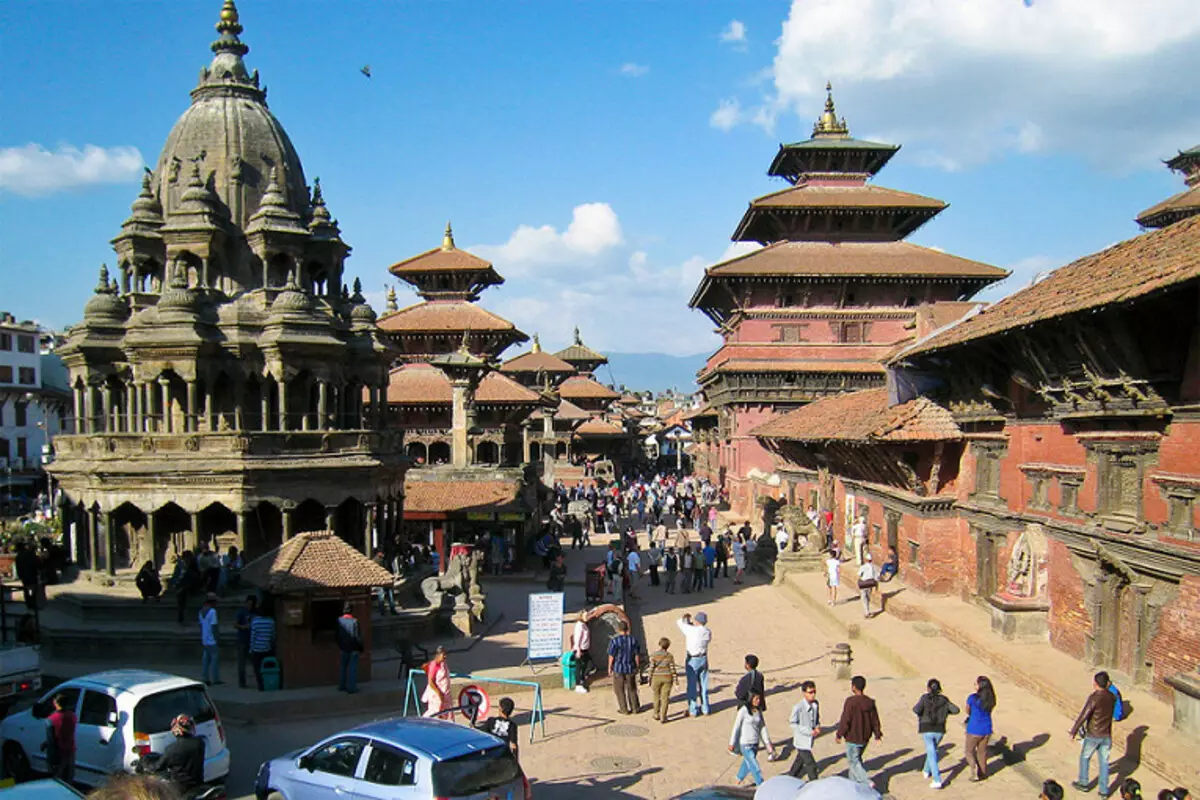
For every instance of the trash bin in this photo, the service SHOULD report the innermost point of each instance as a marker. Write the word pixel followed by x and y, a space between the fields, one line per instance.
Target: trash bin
pixel 568 669
pixel 272 675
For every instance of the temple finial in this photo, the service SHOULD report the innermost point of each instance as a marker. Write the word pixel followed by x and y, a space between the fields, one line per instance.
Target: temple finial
pixel 578 340
pixel 102 284
pixel 537 345
pixel 829 125
pixel 229 19
pixel 392 305
pixel 448 238
pixel 465 346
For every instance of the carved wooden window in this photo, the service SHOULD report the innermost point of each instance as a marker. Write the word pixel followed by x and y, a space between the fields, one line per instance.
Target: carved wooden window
pixel 987 471
pixel 1179 510
pixel 1068 502
pixel 790 333
pixel 1120 486
pixel 1039 495
pixel 852 332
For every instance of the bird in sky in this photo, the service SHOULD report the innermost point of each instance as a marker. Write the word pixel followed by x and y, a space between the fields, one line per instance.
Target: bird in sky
pixel 366 71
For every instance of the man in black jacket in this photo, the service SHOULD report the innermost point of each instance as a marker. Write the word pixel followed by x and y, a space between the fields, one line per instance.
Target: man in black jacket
pixel 752 682
pixel 349 641
pixel 183 762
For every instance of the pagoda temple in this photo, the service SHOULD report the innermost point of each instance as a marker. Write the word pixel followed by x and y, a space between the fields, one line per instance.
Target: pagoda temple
pixel 1182 205
pixel 814 311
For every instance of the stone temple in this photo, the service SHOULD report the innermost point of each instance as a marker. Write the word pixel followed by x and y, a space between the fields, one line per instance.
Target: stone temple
pixel 226 381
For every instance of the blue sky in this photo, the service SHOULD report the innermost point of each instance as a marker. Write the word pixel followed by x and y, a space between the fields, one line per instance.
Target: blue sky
pixel 601 154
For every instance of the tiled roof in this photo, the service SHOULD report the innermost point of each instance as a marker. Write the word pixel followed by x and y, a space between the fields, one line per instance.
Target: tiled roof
pixel 439 316
pixel 537 361
pixel 581 386
pixel 423 384
pixel 859 196
pixel 1127 271
pixel 568 411
pixel 705 410
pixel 445 496
pixel 798 365
pixel 1183 204
pixel 581 352
pixel 629 399
pixel 599 427
pixel 863 416
pixel 439 260
pixel 815 259
pixel 315 560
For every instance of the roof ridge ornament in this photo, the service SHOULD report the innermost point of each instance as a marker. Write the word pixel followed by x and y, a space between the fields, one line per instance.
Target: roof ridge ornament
pixel 578 339
pixel 448 238
pixel 829 125
pixel 102 284
pixel 537 345
pixel 392 305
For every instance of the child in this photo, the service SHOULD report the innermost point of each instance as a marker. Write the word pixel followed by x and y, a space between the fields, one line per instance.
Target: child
pixel 502 726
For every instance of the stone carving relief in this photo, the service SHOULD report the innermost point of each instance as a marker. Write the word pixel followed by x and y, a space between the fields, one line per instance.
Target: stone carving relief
pixel 1027 566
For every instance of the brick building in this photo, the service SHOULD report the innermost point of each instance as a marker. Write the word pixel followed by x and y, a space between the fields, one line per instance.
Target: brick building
pixel 815 311
pixel 1039 457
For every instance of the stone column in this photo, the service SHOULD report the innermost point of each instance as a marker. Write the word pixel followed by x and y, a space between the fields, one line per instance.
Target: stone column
pixel 322 405
pixel 370 535
pixel 193 538
pixel 460 450
pixel 331 518
pixel 106 405
pixel 243 525
pixel 164 394
pixel 209 419
pixel 89 404
pixel 152 533
pixel 283 415
pixel 130 407
pixel 104 543
pixel 266 408
pixel 77 410
pixel 289 522
pixel 189 416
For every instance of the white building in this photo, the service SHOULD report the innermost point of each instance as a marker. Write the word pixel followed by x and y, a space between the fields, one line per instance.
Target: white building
pixel 33 391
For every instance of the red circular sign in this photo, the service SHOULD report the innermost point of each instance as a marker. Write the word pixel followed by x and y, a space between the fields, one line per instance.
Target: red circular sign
pixel 473 697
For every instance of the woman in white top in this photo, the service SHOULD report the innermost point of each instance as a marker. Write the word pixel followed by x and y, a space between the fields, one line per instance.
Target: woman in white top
pixel 749 729
pixel 867 581
pixel 739 558
pixel 832 576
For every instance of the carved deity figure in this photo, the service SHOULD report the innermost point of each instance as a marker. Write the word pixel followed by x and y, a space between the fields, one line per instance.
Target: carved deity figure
pixel 1021 575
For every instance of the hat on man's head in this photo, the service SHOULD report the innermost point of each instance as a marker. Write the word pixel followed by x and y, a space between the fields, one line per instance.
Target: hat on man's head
pixel 702 618
pixel 212 597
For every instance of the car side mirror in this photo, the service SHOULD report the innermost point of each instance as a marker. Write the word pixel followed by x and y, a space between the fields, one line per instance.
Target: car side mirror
pixel 305 762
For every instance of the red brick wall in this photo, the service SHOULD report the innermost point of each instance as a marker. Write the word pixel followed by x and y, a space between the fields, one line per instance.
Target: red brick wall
pixel 1176 647
pixel 1070 620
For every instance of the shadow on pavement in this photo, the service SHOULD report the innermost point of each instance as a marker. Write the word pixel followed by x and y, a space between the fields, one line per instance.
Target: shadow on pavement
pixel 593 786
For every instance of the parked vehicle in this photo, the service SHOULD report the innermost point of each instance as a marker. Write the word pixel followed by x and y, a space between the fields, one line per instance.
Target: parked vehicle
pixel 148 765
pixel 405 758
pixel 122 715
pixel 47 789
pixel 20 672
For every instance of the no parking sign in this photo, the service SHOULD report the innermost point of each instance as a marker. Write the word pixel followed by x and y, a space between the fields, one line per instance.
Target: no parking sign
pixel 474 703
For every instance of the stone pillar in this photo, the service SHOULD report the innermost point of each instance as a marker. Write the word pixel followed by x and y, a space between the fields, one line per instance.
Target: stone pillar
pixel 189 415
pixel 289 522
pixel 266 409
pixel 104 543
pixel 193 538
pixel 164 394
pixel 209 420
pixel 89 405
pixel 283 415
pixel 152 533
pixel 130 404
pixel 460 450
pixel 139 410
pixel 243 525
pixel 370 535
pixel 322 405
pixel 77 410
pixel 331 518
pixel 107 405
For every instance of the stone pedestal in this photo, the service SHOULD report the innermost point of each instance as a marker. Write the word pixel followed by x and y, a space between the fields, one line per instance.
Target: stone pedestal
pixel 462 618
pixel 799 561
pixel 1187 703
pixel 1022 619
pixel 842 658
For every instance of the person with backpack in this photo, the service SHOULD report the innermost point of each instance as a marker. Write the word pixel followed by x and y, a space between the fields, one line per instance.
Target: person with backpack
pixel 932 710
pixel 349 642
pixel 1094 723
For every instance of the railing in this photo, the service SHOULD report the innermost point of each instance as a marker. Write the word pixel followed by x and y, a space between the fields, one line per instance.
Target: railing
pixel 126 445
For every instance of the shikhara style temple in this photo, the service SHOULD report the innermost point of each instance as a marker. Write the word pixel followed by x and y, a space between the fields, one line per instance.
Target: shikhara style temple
pixel 815 311
pixel 1039 457
pixel 226 381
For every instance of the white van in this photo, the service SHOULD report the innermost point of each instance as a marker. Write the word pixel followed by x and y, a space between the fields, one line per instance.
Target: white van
pixel 117 711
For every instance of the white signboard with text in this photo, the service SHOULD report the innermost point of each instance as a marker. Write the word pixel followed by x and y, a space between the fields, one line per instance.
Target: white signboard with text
pixel 545 626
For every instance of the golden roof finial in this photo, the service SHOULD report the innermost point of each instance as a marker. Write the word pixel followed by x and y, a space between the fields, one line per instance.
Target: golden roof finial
pixel 537 346
pixel 448 238
pixel 829 125
pixel 229 19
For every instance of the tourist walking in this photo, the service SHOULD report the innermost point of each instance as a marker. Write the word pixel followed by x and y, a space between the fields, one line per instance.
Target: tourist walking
pixel 262 642
pixel 722 546
pixel 685 569
pixel 739 558
pixel 696 638
pixel 349 642
pixel 699 569
pixel 581 646
pixel 663 675
pixel 833 576
pixel 210 668
pixel 980 705
pixel 653 559
pixel 241 624
pixel 932 710
pixel 437 685
pixel 805 720
pixel 1094 723
pixel 60 739
pixel 866 584
pixel 633 565
pixel 859 722
pixel 751 682
pixel 671 566
pixel 624 661
pixel 710 563
pixel 749 730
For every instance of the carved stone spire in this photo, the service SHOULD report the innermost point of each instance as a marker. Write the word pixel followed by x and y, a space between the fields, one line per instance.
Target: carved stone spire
pixel 392 305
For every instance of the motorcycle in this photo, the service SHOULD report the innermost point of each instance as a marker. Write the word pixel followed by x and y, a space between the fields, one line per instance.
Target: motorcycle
pixel 148 765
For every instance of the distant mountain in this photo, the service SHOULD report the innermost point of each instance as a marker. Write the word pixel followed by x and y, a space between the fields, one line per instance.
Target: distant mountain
pixel 655 372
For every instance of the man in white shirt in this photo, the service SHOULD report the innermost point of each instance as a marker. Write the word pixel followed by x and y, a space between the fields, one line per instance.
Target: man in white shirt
pixel 696 637
pixel 633 562
pixel 210 670
pixel 581 645
pixel 783 539
pixel 859 532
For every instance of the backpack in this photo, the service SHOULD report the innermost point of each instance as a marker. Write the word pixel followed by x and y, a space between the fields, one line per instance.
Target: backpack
pixel 1118 704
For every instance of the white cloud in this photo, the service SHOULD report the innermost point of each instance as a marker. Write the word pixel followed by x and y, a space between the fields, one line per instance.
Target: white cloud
pixel 594 229
pixel 735 249
pixel 727 116
pixel 33 170
pixel 960 83
pixel 1024 272
pixel 734 33
pixel 632 70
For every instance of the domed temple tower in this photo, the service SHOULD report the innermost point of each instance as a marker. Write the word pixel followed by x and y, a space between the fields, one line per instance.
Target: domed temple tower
pixel 226 382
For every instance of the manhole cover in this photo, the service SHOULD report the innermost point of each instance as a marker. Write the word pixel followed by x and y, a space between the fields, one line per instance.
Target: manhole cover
pixel 626 731
pixel 615 763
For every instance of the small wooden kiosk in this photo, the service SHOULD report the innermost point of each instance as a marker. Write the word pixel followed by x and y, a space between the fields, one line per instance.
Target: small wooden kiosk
pixel 306 581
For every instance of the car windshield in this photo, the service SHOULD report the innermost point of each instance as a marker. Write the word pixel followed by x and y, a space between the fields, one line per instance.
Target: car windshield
pixel 154 713
pixel 475 772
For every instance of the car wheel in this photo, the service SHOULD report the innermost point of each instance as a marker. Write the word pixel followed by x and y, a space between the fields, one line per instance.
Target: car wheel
pixel 16 764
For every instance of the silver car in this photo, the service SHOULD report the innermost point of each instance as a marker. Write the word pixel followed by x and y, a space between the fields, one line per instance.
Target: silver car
pixel 413 759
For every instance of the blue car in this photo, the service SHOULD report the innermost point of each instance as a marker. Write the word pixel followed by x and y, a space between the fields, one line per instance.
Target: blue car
pixel 413 759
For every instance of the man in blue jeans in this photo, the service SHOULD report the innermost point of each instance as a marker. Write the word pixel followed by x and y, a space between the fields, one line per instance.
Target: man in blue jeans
pixel 1095 723
pixel 349 641
pixel 859 722
pixel 696 636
